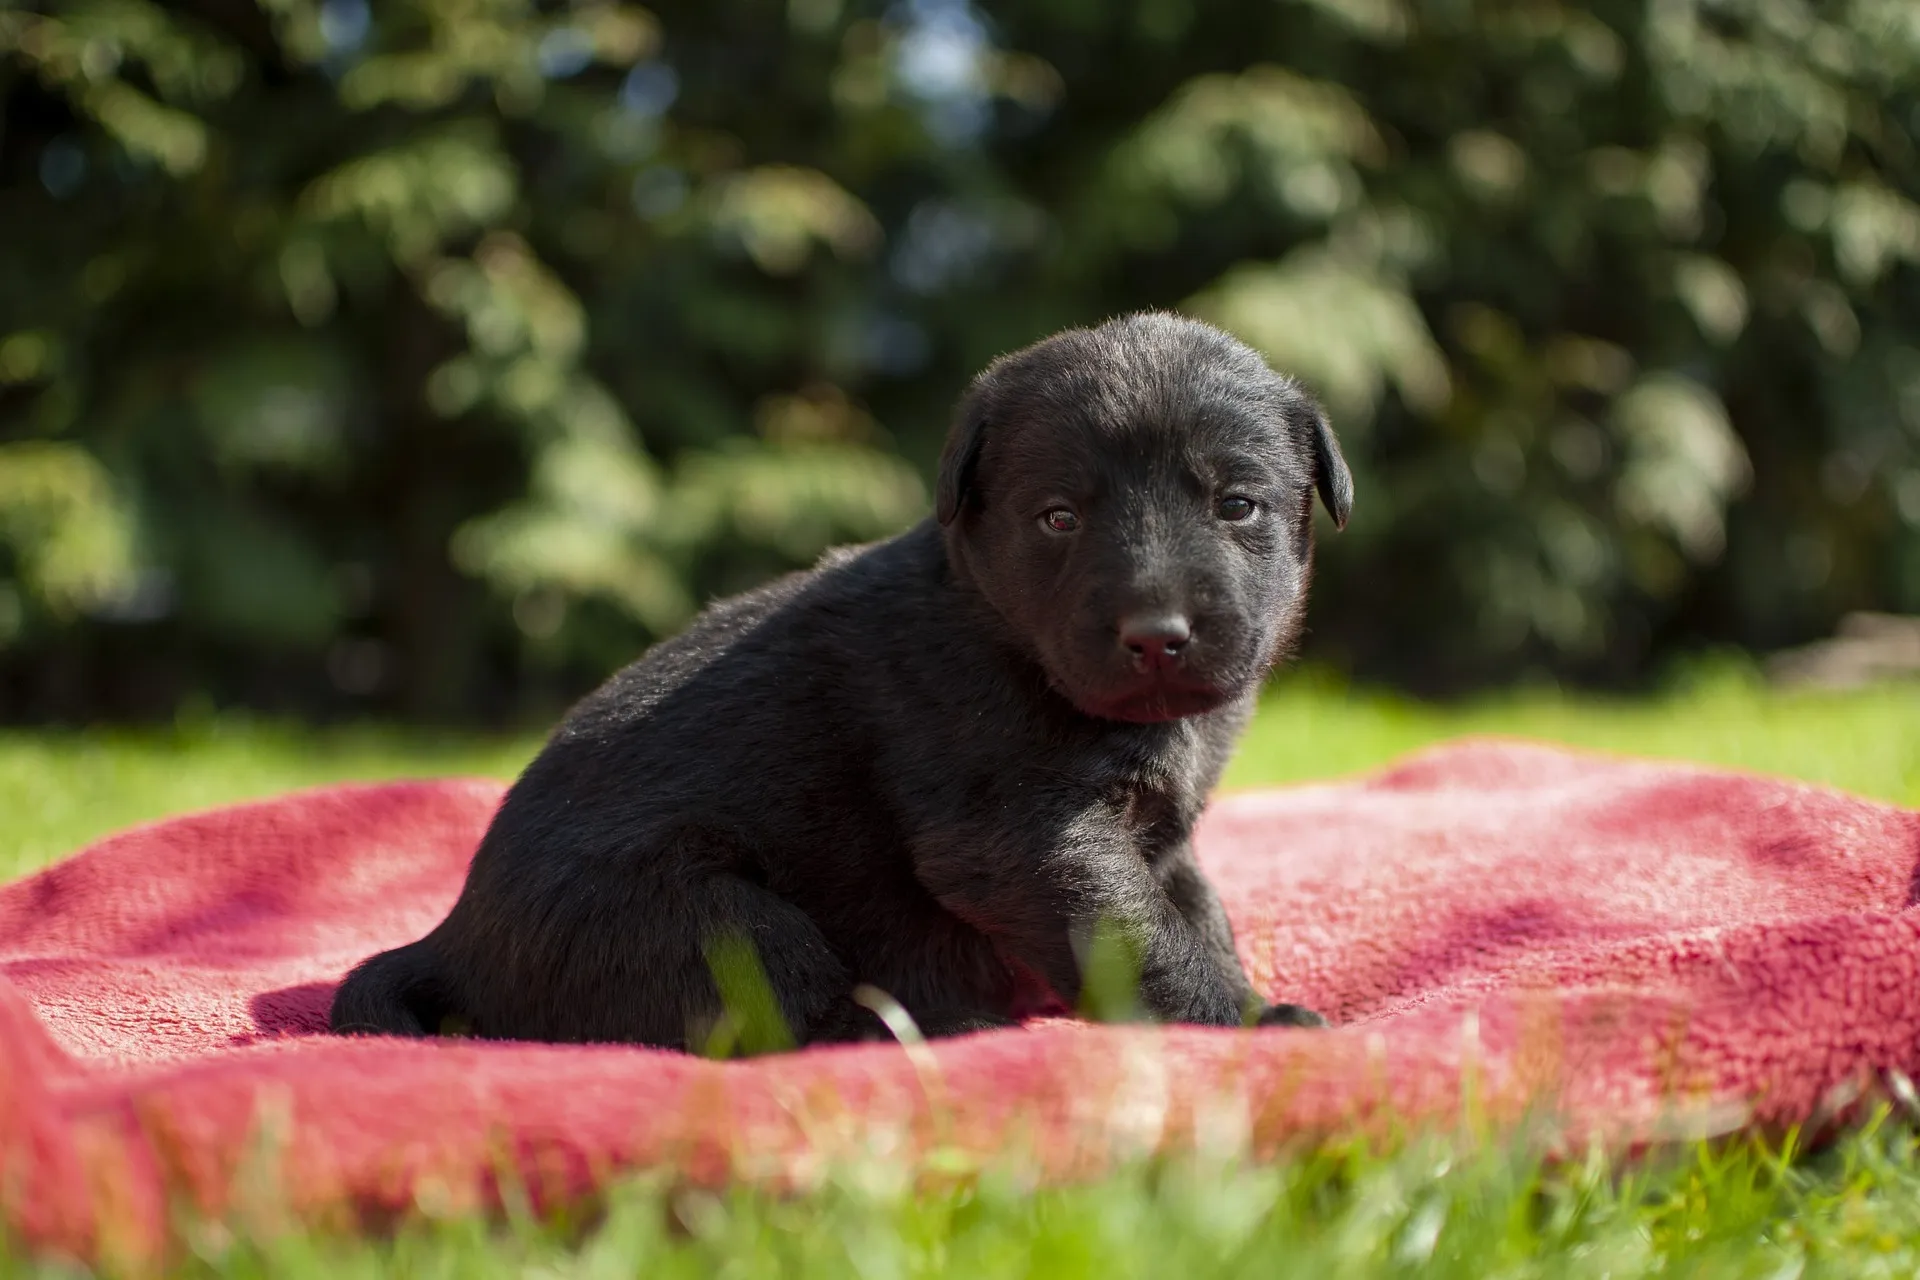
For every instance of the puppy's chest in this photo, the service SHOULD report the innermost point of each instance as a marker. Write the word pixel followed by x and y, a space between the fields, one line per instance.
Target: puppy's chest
pixel 1156 811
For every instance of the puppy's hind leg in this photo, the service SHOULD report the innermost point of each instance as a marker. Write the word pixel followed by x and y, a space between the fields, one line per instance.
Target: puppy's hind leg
pixel 680 957
pixel 947 978
pixel 771 980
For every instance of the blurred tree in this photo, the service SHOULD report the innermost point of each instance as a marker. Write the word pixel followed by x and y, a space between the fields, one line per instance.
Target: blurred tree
pixel 344 309
pixel 430 357
pixel 1615 304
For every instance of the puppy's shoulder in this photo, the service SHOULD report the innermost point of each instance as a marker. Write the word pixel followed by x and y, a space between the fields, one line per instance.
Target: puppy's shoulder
pixel 841 557
pixel 851 601
pixel 879 584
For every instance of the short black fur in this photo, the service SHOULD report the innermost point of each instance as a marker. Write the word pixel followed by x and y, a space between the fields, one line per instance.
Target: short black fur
pixel 931 764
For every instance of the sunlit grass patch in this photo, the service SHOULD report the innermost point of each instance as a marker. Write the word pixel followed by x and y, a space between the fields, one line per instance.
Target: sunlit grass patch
pixel 1440 1207
pixel 1865 741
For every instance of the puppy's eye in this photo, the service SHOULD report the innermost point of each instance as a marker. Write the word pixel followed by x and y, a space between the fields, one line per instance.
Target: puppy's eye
pixel 1235 509
pixel 1060 520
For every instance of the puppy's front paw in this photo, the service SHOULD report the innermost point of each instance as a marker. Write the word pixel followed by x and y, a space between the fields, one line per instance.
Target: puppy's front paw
pixel 1289 1015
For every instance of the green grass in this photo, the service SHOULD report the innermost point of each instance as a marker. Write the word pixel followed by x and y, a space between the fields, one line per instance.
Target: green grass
pixel 1444 1207
pixel 1866 742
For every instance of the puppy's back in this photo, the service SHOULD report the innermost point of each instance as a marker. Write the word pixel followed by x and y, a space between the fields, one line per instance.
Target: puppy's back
pixel 753 728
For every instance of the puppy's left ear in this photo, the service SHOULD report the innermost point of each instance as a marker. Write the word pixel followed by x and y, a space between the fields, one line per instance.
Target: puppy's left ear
pixel 960 460
pixel 1330 474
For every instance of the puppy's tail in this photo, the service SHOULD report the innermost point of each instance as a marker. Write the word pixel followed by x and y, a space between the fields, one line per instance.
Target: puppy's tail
pixel 396 993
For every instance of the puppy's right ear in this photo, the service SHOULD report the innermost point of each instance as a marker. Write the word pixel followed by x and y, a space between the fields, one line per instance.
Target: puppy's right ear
pixel 960 460
pixel 1330 474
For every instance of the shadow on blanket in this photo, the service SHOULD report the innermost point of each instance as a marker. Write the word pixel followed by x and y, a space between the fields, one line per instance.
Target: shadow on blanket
pixel 1635 945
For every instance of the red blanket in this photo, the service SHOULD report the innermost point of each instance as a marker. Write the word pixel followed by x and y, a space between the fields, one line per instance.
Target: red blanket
pixel 1645 949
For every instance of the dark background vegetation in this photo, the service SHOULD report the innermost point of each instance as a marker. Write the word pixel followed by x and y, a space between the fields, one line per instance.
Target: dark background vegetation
pixel 426 358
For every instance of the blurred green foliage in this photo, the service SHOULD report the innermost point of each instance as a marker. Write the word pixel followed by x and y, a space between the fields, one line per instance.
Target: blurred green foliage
pixel 431 356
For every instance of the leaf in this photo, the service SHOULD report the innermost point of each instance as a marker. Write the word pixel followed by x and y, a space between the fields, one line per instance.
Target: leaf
pixel 1347 332
pixel 780 212
pixel 1298 138
pixel 1684 463
pixel 421 193
pixel 69 532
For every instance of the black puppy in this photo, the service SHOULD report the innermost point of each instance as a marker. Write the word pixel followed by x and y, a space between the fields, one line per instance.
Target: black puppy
pixel 932 764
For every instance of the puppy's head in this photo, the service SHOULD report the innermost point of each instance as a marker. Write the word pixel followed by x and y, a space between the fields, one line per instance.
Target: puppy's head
pixel 1136 500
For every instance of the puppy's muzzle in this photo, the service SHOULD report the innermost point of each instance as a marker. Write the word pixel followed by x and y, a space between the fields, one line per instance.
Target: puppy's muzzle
pixel 1157 642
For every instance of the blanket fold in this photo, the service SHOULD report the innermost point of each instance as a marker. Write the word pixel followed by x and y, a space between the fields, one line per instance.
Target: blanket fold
pixel 1646 949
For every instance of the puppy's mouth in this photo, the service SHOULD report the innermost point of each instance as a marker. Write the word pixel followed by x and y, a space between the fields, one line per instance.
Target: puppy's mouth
pixel 1156 700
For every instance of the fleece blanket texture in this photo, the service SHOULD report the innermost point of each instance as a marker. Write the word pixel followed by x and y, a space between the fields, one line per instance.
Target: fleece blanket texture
pixel 1641 949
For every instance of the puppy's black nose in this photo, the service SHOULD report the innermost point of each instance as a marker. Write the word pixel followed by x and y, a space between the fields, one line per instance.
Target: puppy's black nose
pixel 1156 640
